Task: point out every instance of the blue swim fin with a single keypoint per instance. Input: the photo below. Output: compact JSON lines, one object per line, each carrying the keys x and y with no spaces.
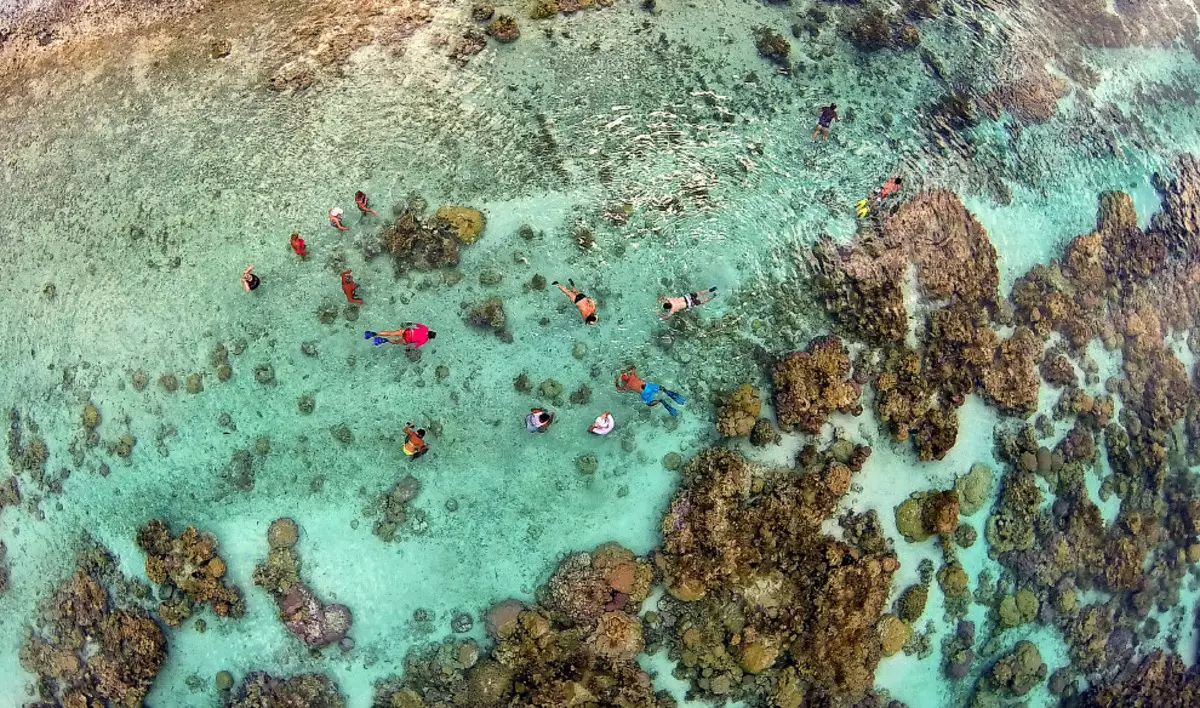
{"x":675,"y":397}
{"x":670,"y":410}
{"x":368,"y":335}
{"x":379,"y":340}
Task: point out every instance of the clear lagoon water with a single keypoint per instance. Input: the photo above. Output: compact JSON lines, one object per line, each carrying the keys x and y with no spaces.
{"x":140,"y":173}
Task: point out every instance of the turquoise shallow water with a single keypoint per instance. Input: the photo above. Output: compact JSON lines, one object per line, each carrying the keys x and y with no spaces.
{"x":139,"y":181}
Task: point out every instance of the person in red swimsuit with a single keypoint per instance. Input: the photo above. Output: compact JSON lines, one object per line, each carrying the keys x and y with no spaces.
{"x":412,"y":335}
{"x":360,"y":201}
{"x":350,"y":287}
{"x":298,"y":246}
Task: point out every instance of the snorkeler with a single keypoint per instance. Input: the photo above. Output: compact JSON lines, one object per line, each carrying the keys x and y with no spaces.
{"x":335,"y":219}
{"x":881,"y":193}
{"x":538,"y":420}
{"x":250,"y":281}
{"x":350,"y":288}
{"x":828,"y":115}
{"x":411,"y":334}
{"x":671,"y":305}
{"x":298,"y":246}
{"x":415,"y":445}
{"x":628,"y":380}
{"x":586,"y":305}
{"x":360,"y":201}
{"x":603,"y":425}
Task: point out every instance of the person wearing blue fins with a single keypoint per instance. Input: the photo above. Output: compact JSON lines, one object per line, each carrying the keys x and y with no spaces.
{"x":412,"y":335}
{"x":628,"y":380}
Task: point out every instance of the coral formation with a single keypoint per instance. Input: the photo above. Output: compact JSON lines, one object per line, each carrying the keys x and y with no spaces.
{"x":1020,"y":670}
{"x":429,"y":244}
{"x":304,"y":615}
{"x":261,"y":690}
{"x":394,"y":507}
{"x":85,"y":648}
{"x":541,"y":656}
{"x":189,"y":564}
{"x":812,"y":384}
{"x":738,"y":411}
{"x":746,"y":543}
{"x":487,"y":315}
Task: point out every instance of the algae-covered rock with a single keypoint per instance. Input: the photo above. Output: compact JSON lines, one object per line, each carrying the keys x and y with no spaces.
{"x":911,"y":604}
{"x":543,"y":9}
{"x":91,"y":416}
{"x":283,"y":533}
{"x":194,"y":383}
{"x":1020,"y":670}
{"x":738,"y":411}
{"x":504,"y":29}
{"x":953,"y":580}
{"x":1018,"y":609}
{"x":974,"y":488}
{"x":893,"y":633}
{"x":466,"y":223}
{"x":909,"y":520}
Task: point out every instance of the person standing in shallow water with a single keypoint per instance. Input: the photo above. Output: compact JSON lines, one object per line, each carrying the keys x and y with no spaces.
{"x":250,"y":281}
{"x":298,"y":246}
{"x":828,"y":115}
{"x":538,"y":420}
{"x":350,"y":288}
{"x":414,"y":445}
{"x":628,"y":380}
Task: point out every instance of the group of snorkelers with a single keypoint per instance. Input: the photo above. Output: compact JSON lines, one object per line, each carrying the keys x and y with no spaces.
{"x":825,"y":118}
{"x":414,"y":335}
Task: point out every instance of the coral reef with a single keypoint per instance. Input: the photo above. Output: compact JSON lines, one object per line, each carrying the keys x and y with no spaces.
{"x":1159,"y":679}
{"x":738,"y":411}
{"x":261,"y":690}
{"x":303,"y":614}
{"x":812,"y":384}
{"x":756,"y":587}
{"x":772,"y":46}
{"x":86,"y":649}
{"x":394,"y":507}
{"x":189,"y":564}
{"x":541,"y":656}
{"x":487,"y":315}
{"x":504,"y":29}
{"x":433,"y":243}
{"x":465,"y":223}
{"x":1020,"y":670}
{"x":926,"y":514}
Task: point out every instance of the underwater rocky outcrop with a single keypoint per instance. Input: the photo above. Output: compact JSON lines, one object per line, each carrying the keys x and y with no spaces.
{"x":189,"y":564}
{"x":737,"y":412}
{"x":88,"y":649}
{"x":310,"y":620}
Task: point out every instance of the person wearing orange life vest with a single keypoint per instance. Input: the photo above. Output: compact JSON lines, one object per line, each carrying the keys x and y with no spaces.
{"x":586,"y":305}
{"x":671,"y":305}
{"x":538,"y":420}
{"x":415,"y":445}
{"x":603,"y":425}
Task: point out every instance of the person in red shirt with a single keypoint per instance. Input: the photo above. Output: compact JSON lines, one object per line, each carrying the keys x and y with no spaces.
{"x":413,"y":335}
{"x":298,"y":246}
{"x":350,"y":287}
{"x":360,"y":201}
